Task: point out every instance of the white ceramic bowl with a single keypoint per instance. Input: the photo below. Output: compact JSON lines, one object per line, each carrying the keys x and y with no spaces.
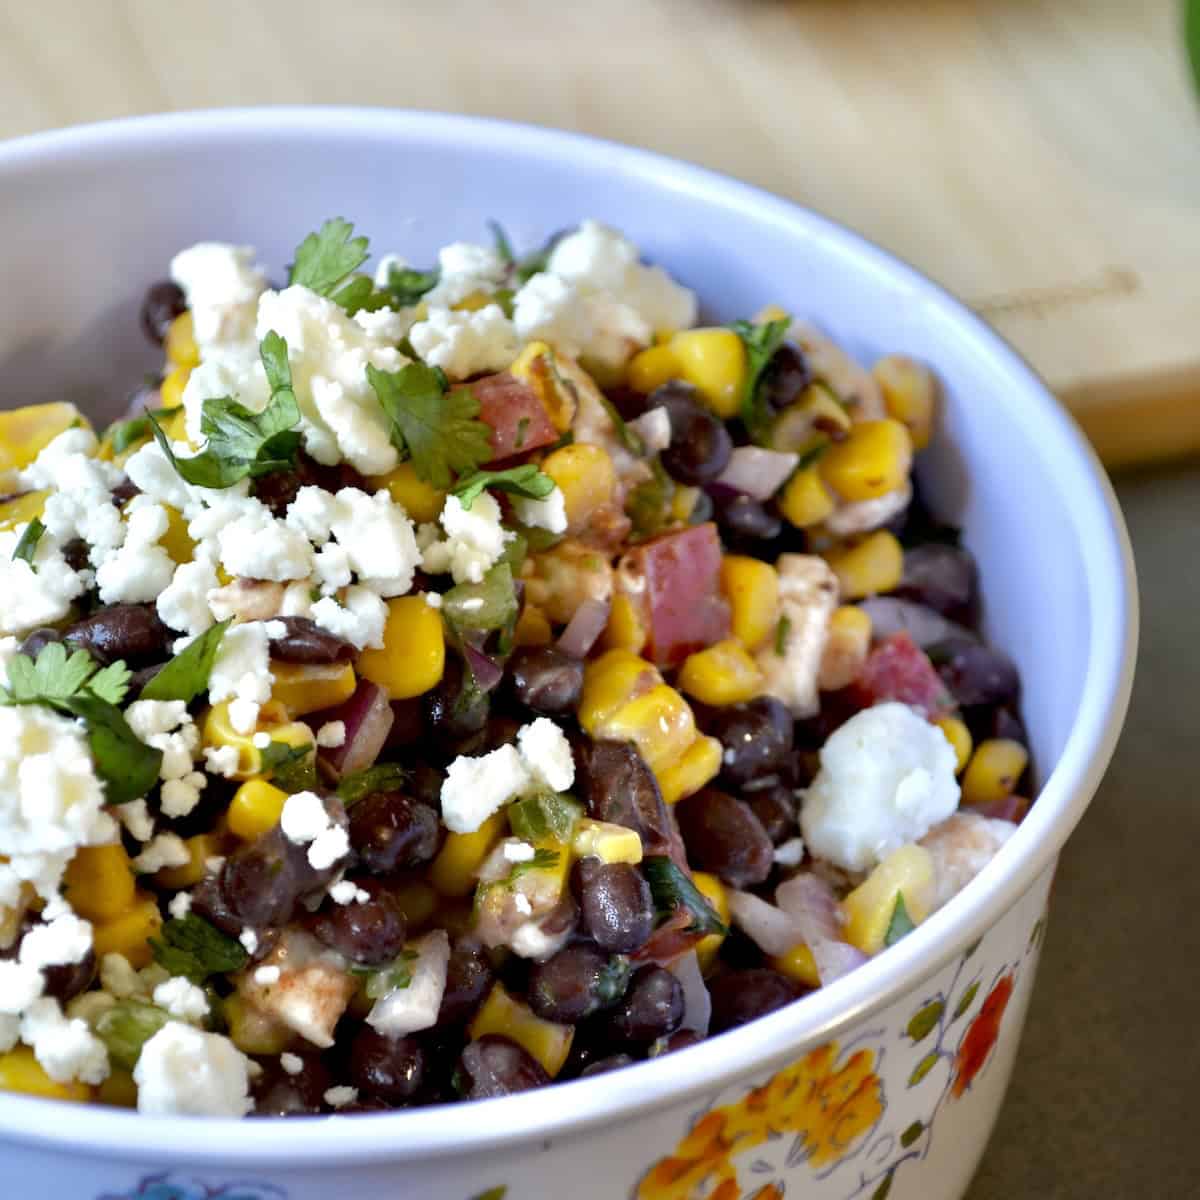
{"x":887,"y":1082}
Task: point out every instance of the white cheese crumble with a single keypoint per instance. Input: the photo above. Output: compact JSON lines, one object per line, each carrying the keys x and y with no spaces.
{"x":466,"y":343}
{"x":265,"y":976}
{"x":222,"y":287}
{"x":415,"y":1007}
{"x":463,"y":269}
{"x":331,"y":735}
{"x":66,"y":1048}
{"x":347,"y":892}
{"x":180,"y":905}
{"x":886,"y":778}
{"x":183,"y":604}
{"x":475,"y":539}
{"x":339,"y":1097}
{"x":167,"y":725}
{"x":137,"y":820}
{"x":547,"y":754}
{"x":249,"y":940}
{"x":118,"y":978}
{"x":141,"y":568}
{"x":166,"y":850}
{"x":221,"y":760}
{"x":183,"y":999}
{"x":292,"y":1064}
{"x":64,"y":940}
{"x":183,"y":1070}
{"x":28,"y":597}
{"x":517,"y":851}
{"x":790,"y":853}
{"x":241,"y":673}
{"x":20,"y":985}
{"x":305,"y":822}
{"x":550,"y":513}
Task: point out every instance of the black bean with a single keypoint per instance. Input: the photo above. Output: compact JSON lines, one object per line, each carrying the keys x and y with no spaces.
{"x":371,"y":933}
{"x":545,"y":680}
{"x":700,"y":444}
{"x":775,"y":808}
{"x":722,"y":835}
{"x":494,"y":1066}
{"x":132,"y":632}
{"x":391,"y":1068}
{"x":456,"y":709}
{"x":618,"y":786}
{"x":278,"y":1094}
{"x":616,"y":909}
{"x":756,"y":737}
{"x":163,"y":302}
{"x":1006,"y":723}
{"x":38,"y":640}
{"x":614,"y":1062}
{"x":304,"y":641}
{"x":741,"y":996}
{"x":977,"y":674}
{"x":279,"y":488}
{"x":75,"y":554}
{"x":942,"y":577}
{"x":425,"y":784}
{"x":125,"y":491}
{"x":67,"y":980}
{"x":743,"y":519}
{"x":681,"y":1039}
{"x":469,"y":977}
{"x":785,"y":376}
{"x":391,"y":832}
{"x":408,"y":723}
{"x":652,"y":1008}
{"x":576,"y":982}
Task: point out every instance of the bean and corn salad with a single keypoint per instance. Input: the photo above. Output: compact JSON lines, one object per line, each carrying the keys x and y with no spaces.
{"x":447,"y":682}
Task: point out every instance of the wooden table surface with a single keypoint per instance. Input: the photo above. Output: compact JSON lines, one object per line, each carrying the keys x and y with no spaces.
{"x":1041,"y":158}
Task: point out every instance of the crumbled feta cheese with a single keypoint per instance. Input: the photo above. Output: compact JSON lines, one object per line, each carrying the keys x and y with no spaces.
{"x":184,"y":1070}
{"x":136,"y":818}
{"x":241,"y":670}
{"x":433,"y":599}
{"x":292,"y":1064}
{"x":64,"y":940}
{"x":415,"y":1007}
{"x":249,"y":940}
{"x":550,"y":513}
{"x":66,"y":1048}
{"x":331,"y":735}
{"x":265,"y":976}
{"x":167,"y":725}
{"x":184,"y":602}
{"x":306,"y":822}
{"x":20,"y":985}
{"x":30,"y":598}
{"x":466,"y":343}
{"x":475,"y":788}
{"x":221,"y":760}
{"x":887,"y":777}
{"x":166,"y":850}
{"x":521,"y":904}
{"x":261,"y":740}
{"x":243,"y":714}
{"x":257,"y":545}
{"x":530,"y":940}
{"x":222,"y":287}
{"x":790,"y":853}
{"x":517,"y":851}
{"x":10,"y":1032}
{"x":360,"y":618}
{"x":85,"y":514}
{"x":183,"y":999}
{"x":180,"y":905}
{"x":118,"y":978}
{"x":547,"y":754}
{"x":475,"y":540}
{"x":141,"y":568}
{"x":339,"y":1097}
{"x":384,"y":324}
{"x":463,"y":269}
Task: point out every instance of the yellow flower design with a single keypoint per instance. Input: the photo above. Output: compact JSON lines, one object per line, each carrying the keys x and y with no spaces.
{"x":827,"y":1105}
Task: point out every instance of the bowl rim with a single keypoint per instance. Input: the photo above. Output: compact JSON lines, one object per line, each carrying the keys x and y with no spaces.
{"x":432,"y":1133}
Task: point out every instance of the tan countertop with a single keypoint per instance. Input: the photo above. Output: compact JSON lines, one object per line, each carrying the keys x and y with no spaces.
{"x":1040,"y":157}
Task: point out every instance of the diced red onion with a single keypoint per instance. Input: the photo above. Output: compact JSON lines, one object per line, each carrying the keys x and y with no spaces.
{"x":756,"y":472}
{"x":697,"y":1003}
{"x":368,"y":718}
{"x":487,"y":674}
{"x":669,"y":940}
{"x":771,"y":929}
{"x":835,"y":959}
{"x":654,"y":428}
{"x":811,"y":901}
{"x":585,"y":627}
{"x":926,"y":626}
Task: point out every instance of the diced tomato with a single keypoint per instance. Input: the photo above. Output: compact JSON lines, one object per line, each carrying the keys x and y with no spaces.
{"x":685,"y":610}
{"x":511,"y":408}
{"x":898,"y":669}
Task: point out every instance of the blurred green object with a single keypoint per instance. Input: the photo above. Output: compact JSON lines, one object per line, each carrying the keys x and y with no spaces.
{"x":1191,"y":28}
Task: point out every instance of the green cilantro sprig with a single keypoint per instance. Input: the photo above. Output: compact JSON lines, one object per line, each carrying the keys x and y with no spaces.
{"x":393,"y":977}
{"x":26,"y":547}
{"x":901,"y":924}
{"x":123,"y":434}
{"x":439,"y":429}
{"x":241,"y":442}
{"x":672,"y":889}
{"x":406,"y":285}
{"x":531,"y":264}
{"x":544,"y":859}
{"x":195,"y":948}
{"x":292,"y":768}
{"x":526,"y":480}
{"x":761,"y":342}
{"x":325,"y":258}
{"x":783,"y":629}
{"x":382,"y":777}
{"x":187,"y":674}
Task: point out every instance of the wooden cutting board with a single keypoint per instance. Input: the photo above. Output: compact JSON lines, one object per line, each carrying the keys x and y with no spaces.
{"x":1039,"y":157}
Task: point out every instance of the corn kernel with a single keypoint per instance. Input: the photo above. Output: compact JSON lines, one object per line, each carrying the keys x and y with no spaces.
{"x":805,"y":500}
{"x":413,"y":655}
{"x":698,"y":765}
{"x":608,"y":842}
{"x":532,"y":628}
{"x":959,"y":737}
{"x":310,"y":687}
{"x":713,"y":361}
{"x":752,"y":588}
{"x":865,"y":568}
{"x":798,"y":964}
{"x":170,"y":394}
{"x":659,"y":723}
{"x":587,"y":478}
{"x":547,"y":1041}
{"x":846,"y":647}
{"x":118,"y":1090}
{"x":814,"y":419}
{"x":100,"y":882}
{"x":474,"y":301}
{"x":127,"y":934}
{"x":255,"y":809}
{"x":180,"y":342}
{"x":910,"y":392}
{"x":651,"y":368}
{"x":22,"y":509}
{"x":874,"y":459}
{"x":994,"y":771}
{"x":253,"y":1031}
{"x":713,"y":890}
{"x":610,"y":681}
{"x":176,"y":541}
{"x":538,"y":366}
{"x":21,"y":1072}
{"x":26,"y":432}
{"x":625,"y":629}
{"x":175,"y":428}
{"x":868,"y":909}
{"x":721,"y":674}
{"x":217,"y":730}
{"x":420,"y":500}
{"x":456,"y":868}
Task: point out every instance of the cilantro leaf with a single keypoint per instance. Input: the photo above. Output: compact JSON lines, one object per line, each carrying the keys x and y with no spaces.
{"x":544,"y":815}
{"x":122,"y":434}
{"x":194,"y":948}
{"x":782,"y":631}
{"x":186,"y":675}
{"x":526,"y":480}
{"x":354,"y":294}
{"x":326,"y":257}
{"x":242,"y":442}
{"x":648,"y":505}
{"x":441,"y":430}
{"x":382,"y":777}
{"x":27,"y":545}
{"x":504,"y":250}
{"x":544,"y":859}
{"x":128,"y":767}
{"x":407,"y":285}
{"x":671,"y":888}
{"x":110,"y":683}
{"x":761,"y":342}
{"x":292,"y":768}
{"x":54,"y":676}
{"x":901,"y":923}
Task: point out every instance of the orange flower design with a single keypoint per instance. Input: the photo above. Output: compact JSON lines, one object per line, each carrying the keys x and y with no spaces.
{"x":979,"y":1039}
{"x":829,"y":1106}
